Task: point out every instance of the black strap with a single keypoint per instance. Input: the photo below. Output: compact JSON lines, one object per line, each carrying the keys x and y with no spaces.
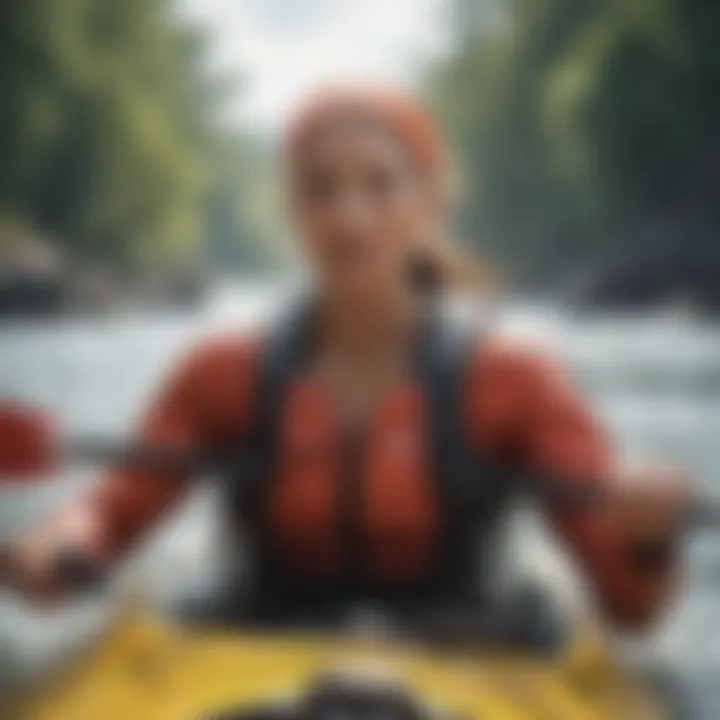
{"x":466,"y":484}
{"x":282,"y":357}
{"x":442,"y":359}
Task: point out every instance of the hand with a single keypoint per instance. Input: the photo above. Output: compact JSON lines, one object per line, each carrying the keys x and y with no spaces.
{"x":31,"y":564}
{"x":28,"y":566}
{"x":650,"y":505}
{"x":648,"y":510}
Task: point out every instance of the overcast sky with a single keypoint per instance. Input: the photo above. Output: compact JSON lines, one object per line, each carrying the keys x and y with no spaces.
{"x":284,"y":47}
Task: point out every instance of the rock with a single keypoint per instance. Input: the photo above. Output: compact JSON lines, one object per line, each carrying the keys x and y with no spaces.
{"x":32,"y":274}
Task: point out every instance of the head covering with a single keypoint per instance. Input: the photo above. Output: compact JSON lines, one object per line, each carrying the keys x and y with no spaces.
{"x":390,"y":108}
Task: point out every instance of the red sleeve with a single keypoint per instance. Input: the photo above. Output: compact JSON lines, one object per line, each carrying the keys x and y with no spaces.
{"x":204,"y":399}
{"x":527,"y":409}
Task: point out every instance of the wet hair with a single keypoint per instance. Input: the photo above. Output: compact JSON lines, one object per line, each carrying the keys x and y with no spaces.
{"x":434,"y":265}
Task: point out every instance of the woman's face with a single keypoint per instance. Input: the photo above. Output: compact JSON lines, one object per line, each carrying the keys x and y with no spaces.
{"x":361,"y":206}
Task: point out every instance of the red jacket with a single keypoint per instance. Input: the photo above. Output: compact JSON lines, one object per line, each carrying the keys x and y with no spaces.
{"x":518,"y":404}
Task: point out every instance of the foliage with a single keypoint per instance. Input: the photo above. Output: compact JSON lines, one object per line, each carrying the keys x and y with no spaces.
{"x":580,"y":123}
{"x":108,"y":134}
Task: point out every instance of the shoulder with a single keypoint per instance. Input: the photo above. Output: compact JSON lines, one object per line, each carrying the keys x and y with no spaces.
{"x":213,"y":379}
{"x":502,"y":357}
{"x":223,"y":351}
{"x":508,"y":380}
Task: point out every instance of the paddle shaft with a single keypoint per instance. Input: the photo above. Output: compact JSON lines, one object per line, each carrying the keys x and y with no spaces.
{"x":77,"y":570}
{"x":555,"y":490}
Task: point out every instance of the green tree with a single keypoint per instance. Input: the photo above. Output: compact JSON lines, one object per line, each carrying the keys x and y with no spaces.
{"x":108,"y":129}
{"x":578,"y":121}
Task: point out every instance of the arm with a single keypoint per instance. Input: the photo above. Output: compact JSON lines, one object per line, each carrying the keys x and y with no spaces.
{"x":205,"y":399}
{"x":532,"y":414}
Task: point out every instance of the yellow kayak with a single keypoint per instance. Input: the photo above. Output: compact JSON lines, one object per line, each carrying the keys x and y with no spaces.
{"x":150,"y":668}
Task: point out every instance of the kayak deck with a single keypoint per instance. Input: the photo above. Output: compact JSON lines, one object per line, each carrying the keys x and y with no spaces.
{"x":146,"y":668}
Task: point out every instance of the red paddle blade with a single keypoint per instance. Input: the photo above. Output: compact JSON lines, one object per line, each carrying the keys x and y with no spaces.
{"x":28,"y":442}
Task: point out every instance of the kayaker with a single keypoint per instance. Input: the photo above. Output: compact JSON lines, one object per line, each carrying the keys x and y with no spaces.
{"x":353,"y":495}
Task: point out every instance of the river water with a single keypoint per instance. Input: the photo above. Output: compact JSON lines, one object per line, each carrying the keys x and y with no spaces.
{"x":655,"y":382}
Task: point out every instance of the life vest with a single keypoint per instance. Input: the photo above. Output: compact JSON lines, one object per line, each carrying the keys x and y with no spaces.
{"x":405,"y":515}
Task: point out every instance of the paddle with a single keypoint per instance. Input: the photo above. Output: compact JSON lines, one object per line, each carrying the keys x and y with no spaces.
{"x":32,"y":447}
